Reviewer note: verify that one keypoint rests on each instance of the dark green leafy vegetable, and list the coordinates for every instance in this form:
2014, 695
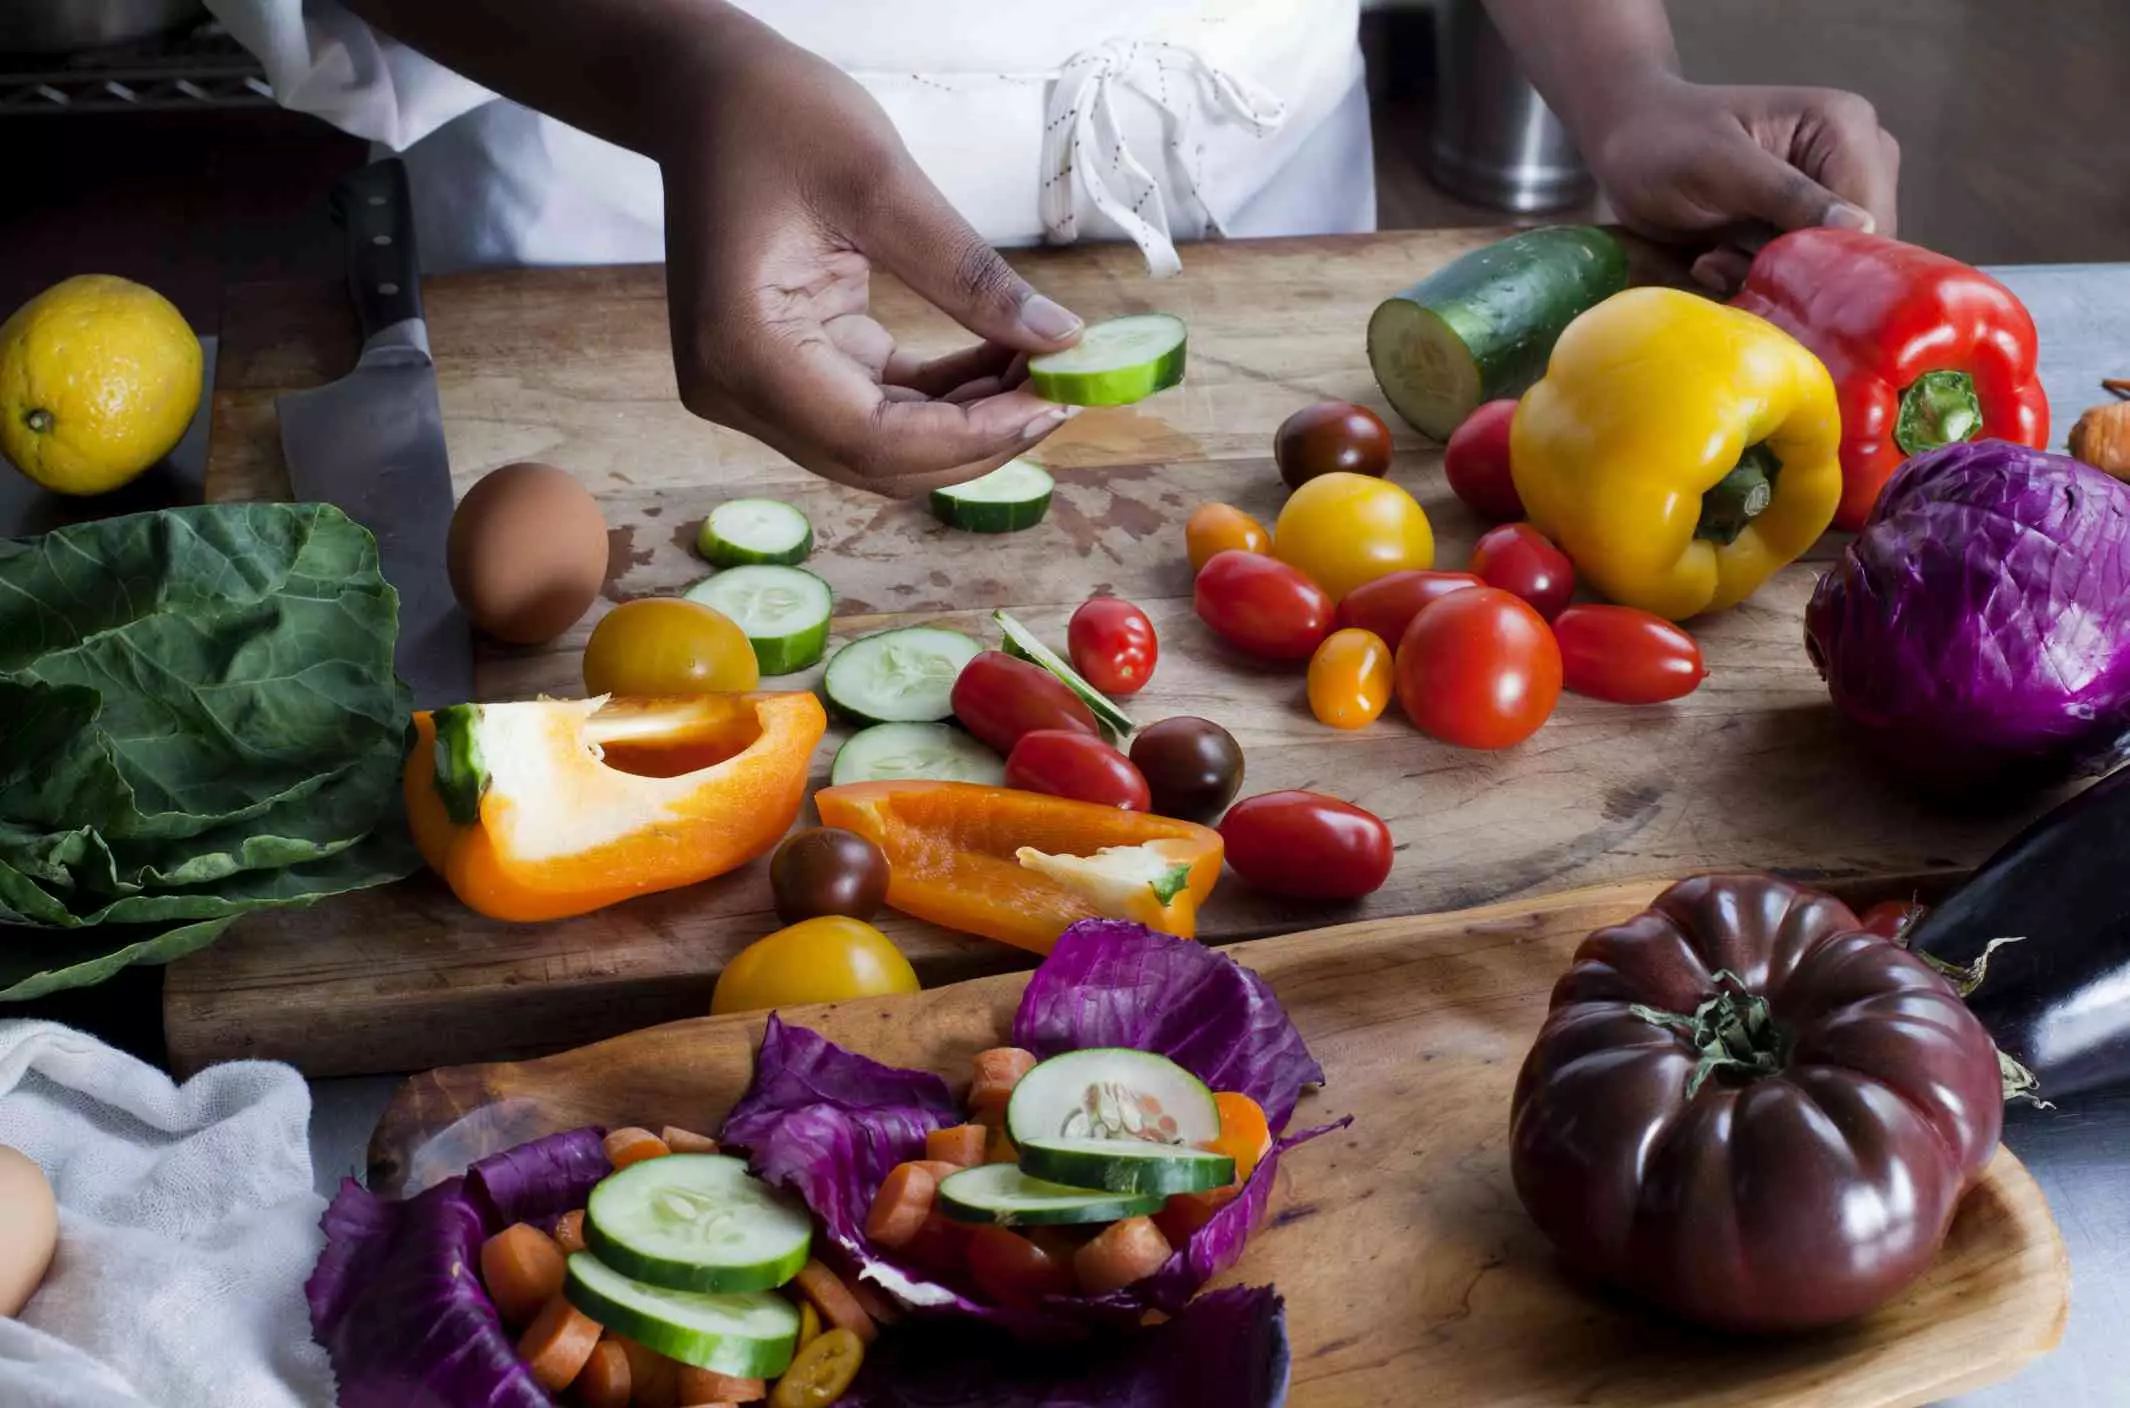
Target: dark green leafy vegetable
198, 718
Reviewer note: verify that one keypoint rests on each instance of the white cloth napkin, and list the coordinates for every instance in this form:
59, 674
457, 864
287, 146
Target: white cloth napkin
187, 1226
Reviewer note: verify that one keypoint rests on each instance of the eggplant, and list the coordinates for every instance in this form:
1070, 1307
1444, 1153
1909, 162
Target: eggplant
2058, 1000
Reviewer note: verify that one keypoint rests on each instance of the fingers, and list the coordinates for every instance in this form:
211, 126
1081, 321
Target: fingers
910, 230
1841, 144
940, 376
1722, 270
1758, 184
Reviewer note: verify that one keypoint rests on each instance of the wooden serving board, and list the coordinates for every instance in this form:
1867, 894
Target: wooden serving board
1407, 1263
572, 366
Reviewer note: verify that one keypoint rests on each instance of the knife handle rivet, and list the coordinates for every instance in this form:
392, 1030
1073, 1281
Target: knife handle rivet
388, 289
380, 239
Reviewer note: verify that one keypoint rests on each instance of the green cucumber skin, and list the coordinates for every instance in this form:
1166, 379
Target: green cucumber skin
1088, 389
690, 1276
1102, 1206
723, 555
1115, 722
742, 1359
1508, 304
1141, 1176
851, 713
974, 517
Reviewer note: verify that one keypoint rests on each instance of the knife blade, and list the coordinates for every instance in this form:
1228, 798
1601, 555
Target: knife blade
372, 443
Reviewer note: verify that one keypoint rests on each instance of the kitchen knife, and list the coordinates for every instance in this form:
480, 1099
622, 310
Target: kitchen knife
372, 443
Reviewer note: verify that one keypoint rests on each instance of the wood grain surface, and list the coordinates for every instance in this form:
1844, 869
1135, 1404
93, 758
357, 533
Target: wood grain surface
1407, 1263
572, 366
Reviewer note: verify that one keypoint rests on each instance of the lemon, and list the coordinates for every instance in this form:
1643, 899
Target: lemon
99, 377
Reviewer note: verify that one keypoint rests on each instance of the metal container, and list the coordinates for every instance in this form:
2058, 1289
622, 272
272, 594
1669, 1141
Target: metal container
69, 26
1494, 140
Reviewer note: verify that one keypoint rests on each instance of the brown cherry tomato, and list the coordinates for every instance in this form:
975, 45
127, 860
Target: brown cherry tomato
1193, 767
1218, 528
825, 870
999, 698
1112, 645
1349, 679
1479, 669
1386, 606
1261, 605
1331, 437
1892, 919
1306, 846
821, 1372
1015, 1271
1476, 462
1625, 656
1067, 763
1518, 558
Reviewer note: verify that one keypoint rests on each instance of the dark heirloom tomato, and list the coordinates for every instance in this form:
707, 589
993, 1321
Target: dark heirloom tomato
1749, 1112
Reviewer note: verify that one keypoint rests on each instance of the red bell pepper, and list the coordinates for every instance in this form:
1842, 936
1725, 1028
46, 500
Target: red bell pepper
1923, 349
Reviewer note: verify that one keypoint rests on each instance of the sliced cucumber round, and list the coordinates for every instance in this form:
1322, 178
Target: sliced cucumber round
1126, 1165
1003, 1194
782, 610
1112, 1092
1023, 644
903, 676
746, 532
939, 752
1014, 496
749, 1335
697, 1222
1114, 363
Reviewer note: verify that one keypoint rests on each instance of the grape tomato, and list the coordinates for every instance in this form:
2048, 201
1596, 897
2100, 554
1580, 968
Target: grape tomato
1219, 528
998, 699
1476, 463
1262, 605
1625, 656
1349, 679
1112, 644
1304, 845
1386, 606
1518, 558
1065, 763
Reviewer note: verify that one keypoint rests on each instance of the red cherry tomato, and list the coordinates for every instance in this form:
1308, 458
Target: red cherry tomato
1476, 462
1386, 606
1890, 919
1305, 845
1479, 669
1262, 605
1625, 656
1518, 558
1015, 1271
999, 698
1112, 645
1067, 763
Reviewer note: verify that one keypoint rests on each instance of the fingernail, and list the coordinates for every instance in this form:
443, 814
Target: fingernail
1047, 318
1048, 421
1844, 216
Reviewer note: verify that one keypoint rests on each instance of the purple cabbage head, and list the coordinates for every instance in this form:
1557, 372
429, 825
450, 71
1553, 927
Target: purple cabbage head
1978, 628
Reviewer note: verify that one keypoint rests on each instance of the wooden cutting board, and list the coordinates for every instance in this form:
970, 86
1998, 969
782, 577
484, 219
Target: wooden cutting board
572, 366
1407, 1263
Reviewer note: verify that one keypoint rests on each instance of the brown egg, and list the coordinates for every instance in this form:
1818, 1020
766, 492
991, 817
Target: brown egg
29, 1229
527, 552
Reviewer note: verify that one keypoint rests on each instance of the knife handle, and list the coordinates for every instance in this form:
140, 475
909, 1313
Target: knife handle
384, 270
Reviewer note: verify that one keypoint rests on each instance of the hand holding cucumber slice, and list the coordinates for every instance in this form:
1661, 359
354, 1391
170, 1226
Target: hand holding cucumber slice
1114, 363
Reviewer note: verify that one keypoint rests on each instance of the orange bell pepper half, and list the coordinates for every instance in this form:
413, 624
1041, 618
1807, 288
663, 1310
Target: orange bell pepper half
1023, 867
558, 807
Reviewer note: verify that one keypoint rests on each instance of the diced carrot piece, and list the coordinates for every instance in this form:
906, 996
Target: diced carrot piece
998, 1149
834, 1300
707, 1386
989, 1116
569, 1232
651, 1374
900, 1207
1244, 1135
631, 1145
962, 1145
940, 1169
557, 1344
1184, 1214
605, 1380
686, 1141
1125, 1252
522, 1268
997, 1072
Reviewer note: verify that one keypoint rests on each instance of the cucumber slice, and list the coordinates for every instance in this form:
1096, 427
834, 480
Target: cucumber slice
696, 1222
1482, 327
936, 751
1022, 644
746, 532
783, 611
749, 1335
1113, 363
1130, 1166
1014, 496
1112, 1092
1003, 1194
903, 676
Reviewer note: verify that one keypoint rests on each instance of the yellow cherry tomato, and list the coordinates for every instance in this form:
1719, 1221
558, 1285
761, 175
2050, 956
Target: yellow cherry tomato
665, 646
816, 960
1215, 528
1350, 679
1343, 530
821, 1372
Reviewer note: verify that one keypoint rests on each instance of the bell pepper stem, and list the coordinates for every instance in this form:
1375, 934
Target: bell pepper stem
461, 775
1739, 497
1938, 408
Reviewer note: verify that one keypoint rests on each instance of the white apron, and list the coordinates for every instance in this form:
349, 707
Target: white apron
1206, 118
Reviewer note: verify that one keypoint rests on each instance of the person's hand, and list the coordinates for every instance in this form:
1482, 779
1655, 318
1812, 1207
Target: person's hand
1680, 161
785, 189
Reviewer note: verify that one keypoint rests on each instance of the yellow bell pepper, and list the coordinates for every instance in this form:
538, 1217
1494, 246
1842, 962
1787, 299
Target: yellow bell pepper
1680, 451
